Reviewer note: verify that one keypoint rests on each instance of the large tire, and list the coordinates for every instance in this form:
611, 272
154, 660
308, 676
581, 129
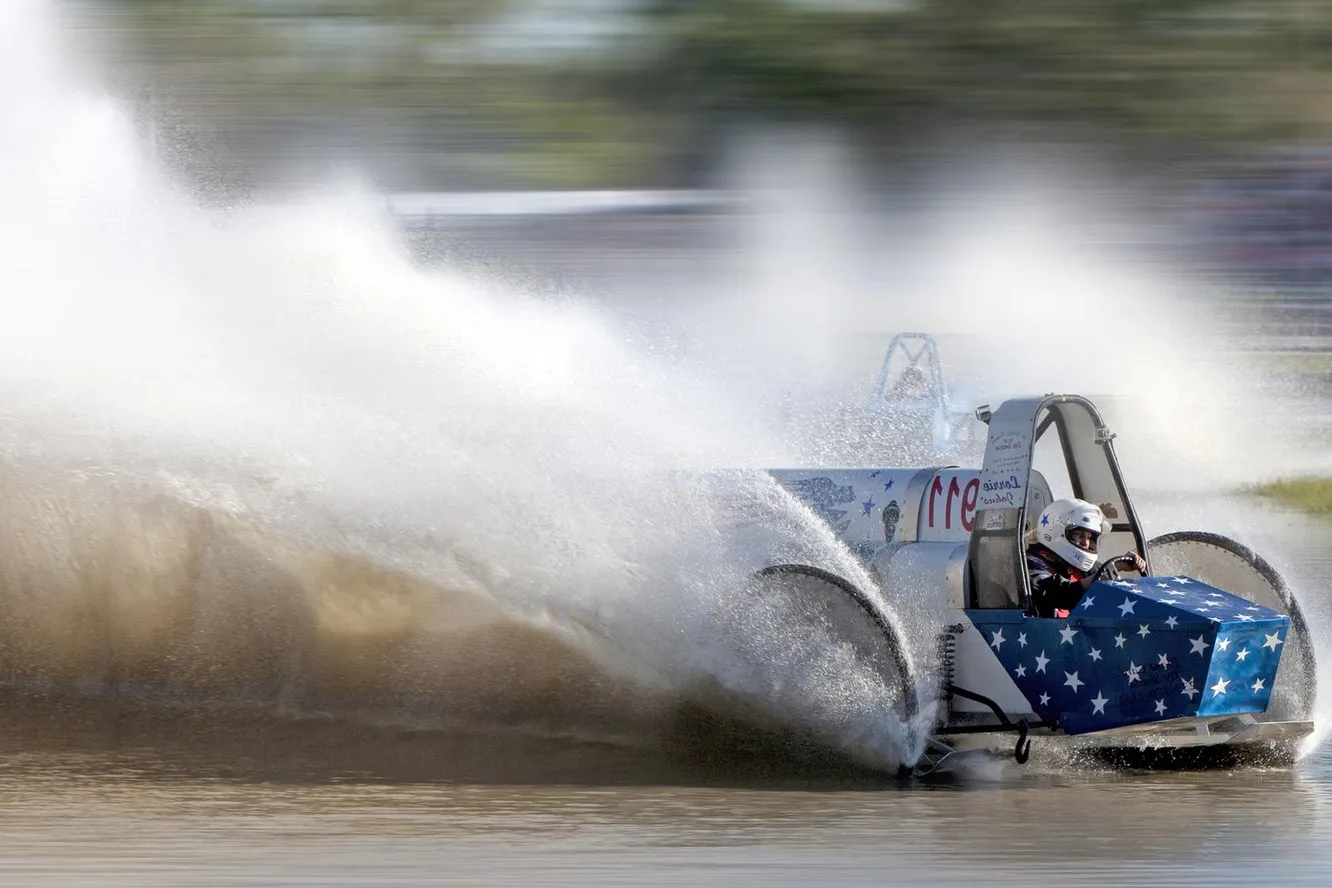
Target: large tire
1220, 561
848, 612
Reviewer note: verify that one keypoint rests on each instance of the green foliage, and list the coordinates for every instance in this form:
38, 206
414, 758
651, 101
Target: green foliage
1308, 494
1127, 64
1124, 70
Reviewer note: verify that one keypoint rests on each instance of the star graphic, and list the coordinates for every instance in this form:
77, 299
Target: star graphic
1189, 690
1163, 661
1183, 581
1258, 685
1223, 644
1172, 622
1045, 520
1205, 606
1095, 654
1098, 704
1120, 583
1041, 660
1119, 640
1144, 631
1241, 654
1244, 618
1073, 681
1022, 639
1127, 607
1160, 707
1088, 601
868, 505
1253, 607
1271, 640
889, 485
1220, 687
1162, 584
875, 473
997, 639
1199, 645
1134, 672
1020, 672
1066, 635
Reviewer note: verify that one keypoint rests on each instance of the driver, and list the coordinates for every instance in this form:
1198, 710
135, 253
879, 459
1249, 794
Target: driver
1062, 558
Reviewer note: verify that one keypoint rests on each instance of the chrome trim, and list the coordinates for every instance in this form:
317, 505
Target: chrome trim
908, 526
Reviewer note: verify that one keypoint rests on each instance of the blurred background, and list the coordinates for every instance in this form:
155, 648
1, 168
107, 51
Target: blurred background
1220, 110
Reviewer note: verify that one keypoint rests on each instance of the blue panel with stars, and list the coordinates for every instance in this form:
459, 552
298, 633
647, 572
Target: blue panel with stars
1145, 650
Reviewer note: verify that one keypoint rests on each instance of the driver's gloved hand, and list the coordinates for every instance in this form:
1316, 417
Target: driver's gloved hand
1110, 573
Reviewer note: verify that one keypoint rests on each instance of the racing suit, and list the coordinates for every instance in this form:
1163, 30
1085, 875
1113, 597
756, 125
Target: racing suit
1056, 587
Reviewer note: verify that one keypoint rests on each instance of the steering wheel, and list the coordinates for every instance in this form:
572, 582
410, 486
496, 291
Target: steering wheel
1126, 558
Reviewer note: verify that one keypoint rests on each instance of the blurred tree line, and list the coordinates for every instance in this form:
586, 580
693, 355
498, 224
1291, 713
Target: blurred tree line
583, 93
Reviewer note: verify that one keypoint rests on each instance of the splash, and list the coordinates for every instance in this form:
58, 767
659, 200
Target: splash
256, 455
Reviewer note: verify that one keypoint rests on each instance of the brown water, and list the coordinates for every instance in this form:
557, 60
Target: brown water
107, 791
140, 819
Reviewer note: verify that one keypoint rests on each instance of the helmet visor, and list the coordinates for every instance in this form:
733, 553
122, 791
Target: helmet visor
1083, 538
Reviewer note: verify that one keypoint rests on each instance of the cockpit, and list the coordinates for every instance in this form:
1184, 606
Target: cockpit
1057, 446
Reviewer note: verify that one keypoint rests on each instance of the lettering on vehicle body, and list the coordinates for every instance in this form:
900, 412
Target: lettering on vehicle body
948, 511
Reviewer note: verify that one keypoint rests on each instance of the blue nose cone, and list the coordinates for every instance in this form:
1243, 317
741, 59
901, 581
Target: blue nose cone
1136, 651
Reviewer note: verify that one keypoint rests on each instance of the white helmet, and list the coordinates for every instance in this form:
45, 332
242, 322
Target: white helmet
1059, 519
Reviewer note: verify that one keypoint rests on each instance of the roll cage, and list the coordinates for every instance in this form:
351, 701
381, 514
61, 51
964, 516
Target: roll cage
997, 554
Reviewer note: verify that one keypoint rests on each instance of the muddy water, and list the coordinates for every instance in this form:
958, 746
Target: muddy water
119, 794
135, 818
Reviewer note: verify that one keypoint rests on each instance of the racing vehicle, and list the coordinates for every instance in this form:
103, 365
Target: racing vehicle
911, 396
1206, 651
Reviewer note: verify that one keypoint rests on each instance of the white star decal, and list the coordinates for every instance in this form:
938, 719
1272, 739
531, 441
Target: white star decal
1258, 685
1160, 707
1020, 672
1045, 699
1241, 654
1041, 660
1253, 607
1223, 644
1120, 583
1088, 601
1073, 681
1244, 618
1205, 606
1199, 645
1183, 581
1134, 672
1172, 622
1095, 654
1127, 607
1098, 704
1163, 661
1022, 639
1144, 631
1066, 635
1271, 640
997, 639
1220, 687
1119, 640
1189, 690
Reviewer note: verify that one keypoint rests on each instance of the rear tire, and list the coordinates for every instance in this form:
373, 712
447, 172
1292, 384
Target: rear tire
839, 604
